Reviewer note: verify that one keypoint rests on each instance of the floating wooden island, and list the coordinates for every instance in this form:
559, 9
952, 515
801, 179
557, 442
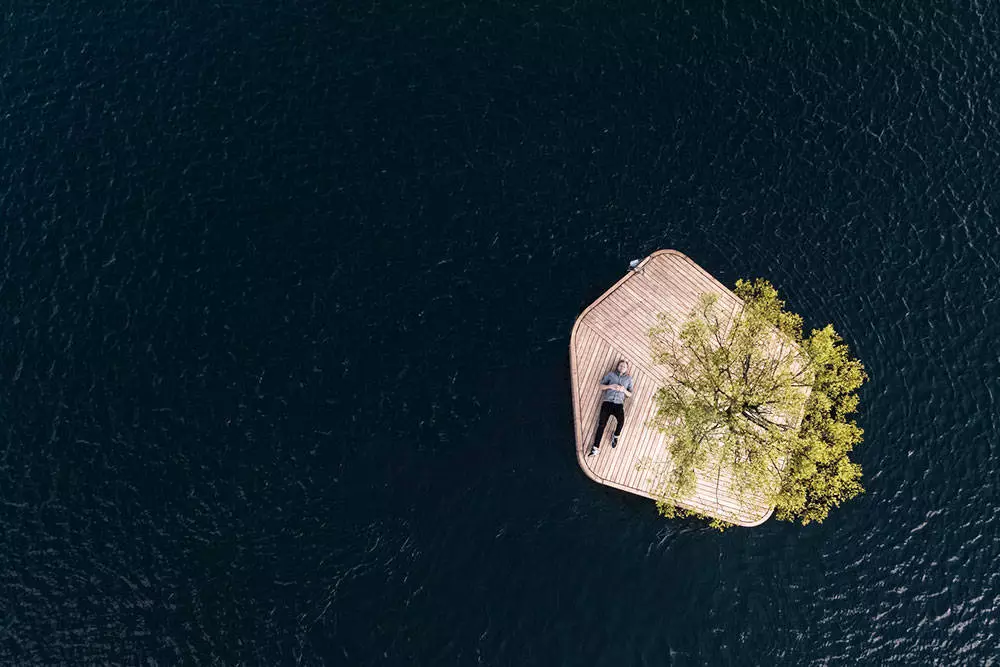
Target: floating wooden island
615, 327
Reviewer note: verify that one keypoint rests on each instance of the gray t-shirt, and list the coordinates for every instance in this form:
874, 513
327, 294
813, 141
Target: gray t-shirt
613, 378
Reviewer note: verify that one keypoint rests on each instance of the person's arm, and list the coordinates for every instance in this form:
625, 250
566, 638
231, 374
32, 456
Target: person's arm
628, 392
605, 385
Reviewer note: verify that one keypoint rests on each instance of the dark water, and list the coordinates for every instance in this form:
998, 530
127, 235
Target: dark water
286, 292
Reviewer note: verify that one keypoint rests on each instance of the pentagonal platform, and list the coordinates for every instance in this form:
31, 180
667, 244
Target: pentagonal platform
615, 327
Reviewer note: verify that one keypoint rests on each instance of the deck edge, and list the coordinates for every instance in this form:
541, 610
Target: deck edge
577, 422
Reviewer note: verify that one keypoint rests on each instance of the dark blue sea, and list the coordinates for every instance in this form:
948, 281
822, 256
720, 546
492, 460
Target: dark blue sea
286, 291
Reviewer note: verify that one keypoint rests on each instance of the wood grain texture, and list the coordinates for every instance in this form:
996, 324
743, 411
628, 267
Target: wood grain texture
615, 327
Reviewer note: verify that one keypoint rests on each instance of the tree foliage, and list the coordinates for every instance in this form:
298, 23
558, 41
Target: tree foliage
756, 405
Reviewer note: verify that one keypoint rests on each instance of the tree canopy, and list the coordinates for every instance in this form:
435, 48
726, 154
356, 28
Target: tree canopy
753, 402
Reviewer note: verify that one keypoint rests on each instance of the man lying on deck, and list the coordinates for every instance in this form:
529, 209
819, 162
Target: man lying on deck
616, 385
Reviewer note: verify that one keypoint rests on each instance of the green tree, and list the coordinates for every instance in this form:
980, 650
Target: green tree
756, 404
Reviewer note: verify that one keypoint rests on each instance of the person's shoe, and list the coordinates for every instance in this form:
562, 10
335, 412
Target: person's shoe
594, 451
614, 441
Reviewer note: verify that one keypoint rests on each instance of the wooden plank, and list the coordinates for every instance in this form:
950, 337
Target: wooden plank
637, 435
607, 362
593, 401
632, 431
686, 286
616, 325
634, 347
638, 410
657, 378
599, 366
689, 286
649, 445
597, 349
593, 347
600, 351
615, 467
640, 322
591, 344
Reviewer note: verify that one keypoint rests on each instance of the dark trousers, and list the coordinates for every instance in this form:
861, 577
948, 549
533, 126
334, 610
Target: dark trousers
607, 409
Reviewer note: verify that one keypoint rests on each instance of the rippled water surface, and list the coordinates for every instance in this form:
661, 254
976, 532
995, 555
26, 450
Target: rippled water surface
286, 291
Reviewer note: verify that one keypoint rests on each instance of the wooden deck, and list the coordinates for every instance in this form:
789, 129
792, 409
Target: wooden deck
615, 327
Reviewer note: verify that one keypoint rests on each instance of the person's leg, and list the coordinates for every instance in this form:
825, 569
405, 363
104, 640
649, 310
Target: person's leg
602, 422
619, 412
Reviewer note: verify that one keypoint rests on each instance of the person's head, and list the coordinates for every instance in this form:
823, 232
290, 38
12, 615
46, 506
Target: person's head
622, 367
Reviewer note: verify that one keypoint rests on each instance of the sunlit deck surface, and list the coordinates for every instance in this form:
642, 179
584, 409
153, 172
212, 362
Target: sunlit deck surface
614, 327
